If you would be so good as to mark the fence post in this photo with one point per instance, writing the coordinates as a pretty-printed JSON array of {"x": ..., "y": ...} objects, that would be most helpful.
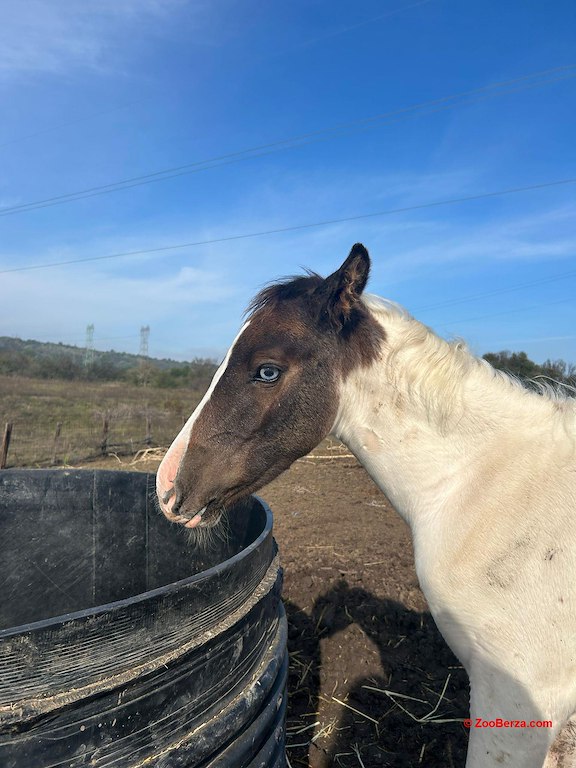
[
  {"x": 56, "y": 438},
  {"x": 148, "y": 438},
  {"x": 105, "y": 433},
  {"x": 5, "y": 445}
]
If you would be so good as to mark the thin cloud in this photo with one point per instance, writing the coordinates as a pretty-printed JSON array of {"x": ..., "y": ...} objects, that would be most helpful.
[
  {"x": 199, "y": 294},
  {"x": 59, "y": 307},
  {"x": 372, "y": 20},
  {"x": 40, "y": 37},
  {"x": 544, "y": 236}
]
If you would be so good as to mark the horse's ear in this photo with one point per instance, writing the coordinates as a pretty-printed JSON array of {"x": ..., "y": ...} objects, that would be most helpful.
[{"x": 341, "y": 291}]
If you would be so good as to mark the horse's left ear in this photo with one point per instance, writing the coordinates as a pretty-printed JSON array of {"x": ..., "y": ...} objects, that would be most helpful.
[{"x": 341, "y": 291}]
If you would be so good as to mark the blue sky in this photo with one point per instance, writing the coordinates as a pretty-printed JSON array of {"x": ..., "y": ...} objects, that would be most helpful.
[{"x": 95, "y": 93}]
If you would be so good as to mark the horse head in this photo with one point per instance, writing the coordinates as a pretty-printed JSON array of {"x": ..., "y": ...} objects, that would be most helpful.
[{"x": 276, "y": 394}]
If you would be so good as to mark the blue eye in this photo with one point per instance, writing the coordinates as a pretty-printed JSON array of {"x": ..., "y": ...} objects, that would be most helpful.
[{"x": 268, "y": 373}]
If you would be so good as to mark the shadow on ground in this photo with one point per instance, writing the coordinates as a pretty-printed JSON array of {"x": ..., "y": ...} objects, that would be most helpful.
[{"x": 424, "y": 681}]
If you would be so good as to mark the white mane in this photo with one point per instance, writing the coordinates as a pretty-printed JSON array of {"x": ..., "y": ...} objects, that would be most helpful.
[{"x": 436, "y": 373}]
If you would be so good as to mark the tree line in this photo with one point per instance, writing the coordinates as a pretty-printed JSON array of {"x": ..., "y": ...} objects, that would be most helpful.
[
  {"x": 530, "y": 373},
  {"x": 34, "y": 359}
]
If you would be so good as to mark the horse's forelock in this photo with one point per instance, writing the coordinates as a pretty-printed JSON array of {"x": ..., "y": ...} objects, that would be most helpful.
[
  {"x": 306, "y": 297},
  {"x": 287, "y": 289}
]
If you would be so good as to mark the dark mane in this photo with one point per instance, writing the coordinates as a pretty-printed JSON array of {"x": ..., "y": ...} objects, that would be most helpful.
[{"x": 286, "y": 289}]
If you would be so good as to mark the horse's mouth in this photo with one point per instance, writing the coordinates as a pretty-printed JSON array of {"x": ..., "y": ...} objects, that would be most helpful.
[
  {"x": 211, "y": 512},
  {"x": 207, "y": 517}
]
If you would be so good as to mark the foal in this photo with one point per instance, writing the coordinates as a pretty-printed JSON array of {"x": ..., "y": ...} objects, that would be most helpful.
[{"x": 482, "y": 470}]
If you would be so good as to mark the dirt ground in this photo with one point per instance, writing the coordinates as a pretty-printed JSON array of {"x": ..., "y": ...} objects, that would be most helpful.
[{"x": 372, "y": 682}]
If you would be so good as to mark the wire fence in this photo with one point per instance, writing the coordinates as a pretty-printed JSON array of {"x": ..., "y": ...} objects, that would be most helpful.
[{"x": 62, "y": 443}]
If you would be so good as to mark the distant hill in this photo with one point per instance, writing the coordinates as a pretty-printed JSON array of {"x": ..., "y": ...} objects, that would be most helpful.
[
  {"x": 41, "y": 349},
  {"x": 47, "y": 360}
]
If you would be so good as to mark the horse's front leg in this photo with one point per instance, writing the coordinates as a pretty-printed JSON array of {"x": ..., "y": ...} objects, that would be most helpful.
[{"x": 498, "y": 705}]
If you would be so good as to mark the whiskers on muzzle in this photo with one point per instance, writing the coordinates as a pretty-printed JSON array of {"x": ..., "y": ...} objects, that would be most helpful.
[
  {"x": 207, "y": 537},
  {"x": 207, "y": 534}
]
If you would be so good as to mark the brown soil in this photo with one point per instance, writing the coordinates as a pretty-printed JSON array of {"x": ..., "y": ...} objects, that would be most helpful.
[{"x": 370, "y": 676}]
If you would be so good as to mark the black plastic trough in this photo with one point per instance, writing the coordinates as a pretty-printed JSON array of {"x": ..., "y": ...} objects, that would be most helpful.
[{"x": 123, "y": 644}]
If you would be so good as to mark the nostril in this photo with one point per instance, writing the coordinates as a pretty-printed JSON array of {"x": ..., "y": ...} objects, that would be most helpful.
[
  {"x": 176, "y": 504},
  {"x": 168, "y": 495},
  {"x": 171, "y": 500}
]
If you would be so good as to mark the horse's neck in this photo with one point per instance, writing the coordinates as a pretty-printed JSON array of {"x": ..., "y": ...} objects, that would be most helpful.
[
  {"x": 406, "y": 456},
  {"x": 428, "y": 439}
]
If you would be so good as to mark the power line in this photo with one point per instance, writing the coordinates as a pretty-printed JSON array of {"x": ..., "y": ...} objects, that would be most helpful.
[
  {"x": 507, "y": 312},
  {"x": 495, "y": 292},
  {"x": 543, "y": 77},
  {"x": 372, "y": 20},
  {"x": 55, "y": 127},
  {"x": 326, "y": 222},
  {"x": 96, "y": 115}
]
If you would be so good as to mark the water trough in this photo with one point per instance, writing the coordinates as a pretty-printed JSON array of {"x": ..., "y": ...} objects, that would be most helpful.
[{"x": 122, "y": 645}]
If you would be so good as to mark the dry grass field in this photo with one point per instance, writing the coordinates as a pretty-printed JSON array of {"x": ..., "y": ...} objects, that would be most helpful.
[{"x": 135, "y": 418}]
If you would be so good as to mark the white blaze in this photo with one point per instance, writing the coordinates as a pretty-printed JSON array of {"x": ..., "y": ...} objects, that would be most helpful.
[{"x": 171, "y": 462}]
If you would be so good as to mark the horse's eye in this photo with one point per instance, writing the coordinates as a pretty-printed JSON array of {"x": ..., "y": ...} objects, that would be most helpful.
[{"x": 268, "y": 373}]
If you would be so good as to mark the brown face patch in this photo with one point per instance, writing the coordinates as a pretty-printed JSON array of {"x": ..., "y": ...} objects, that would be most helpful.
[
  {"x": 332, "y": 308},
  {"x": 278, "y": 396},
  {"x": 252, "y": 430}
]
